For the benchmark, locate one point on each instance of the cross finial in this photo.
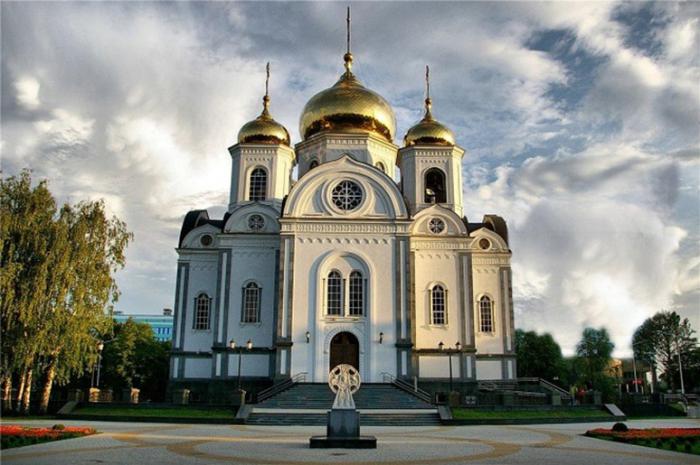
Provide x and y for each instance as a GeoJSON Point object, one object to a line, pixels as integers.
{"type": "Point", "coordinates": [348, 55]}
{"type": "Point", "coordinates": [428, 102]}
{"type": "Point", "coordinates": [266, 98]}
{"type": "Point", "coordinates": [348, 28]}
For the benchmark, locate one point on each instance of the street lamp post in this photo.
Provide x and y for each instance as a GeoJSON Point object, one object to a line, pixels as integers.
{"type": "Point", "coordinates": [450, 352]}
{"type": "Point", "coordinates": [100, 346]}
{"type": "Point", "coordinates": [233, 346]}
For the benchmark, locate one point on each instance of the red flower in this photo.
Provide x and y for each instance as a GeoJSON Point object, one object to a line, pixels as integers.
{"type": "Point", "coordinates": [650, 433]}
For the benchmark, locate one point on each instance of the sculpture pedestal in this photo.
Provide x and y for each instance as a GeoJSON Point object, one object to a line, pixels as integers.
{"type": "Point", "coordinates": [343, 431]}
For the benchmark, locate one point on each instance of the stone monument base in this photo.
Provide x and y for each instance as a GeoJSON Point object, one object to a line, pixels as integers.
{"type": "Point", "coordinates": [343, 432]}
{"type": "Point", "coordinates": [360, 442]}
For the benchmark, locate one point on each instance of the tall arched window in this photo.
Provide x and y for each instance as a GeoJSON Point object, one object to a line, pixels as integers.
{"type": "Point", "coordinates": [258, 184]}
{"type": "Point", "coordinates": [435, 187]}
{"type": "Point", "coordinates": [356, 296]}
{"type": "Point", "coordinates": [334, 302]}
{"type": "Point", "coordinates": [202, 307]}
{"type": "Point", "coordinates": [486, 314]}
{"type": "Point", "coordinates": [438, 305]}
{"type": "Point", "coordinates": [313, 164]}
{"type": "Point", "coordinates": [251, 303]}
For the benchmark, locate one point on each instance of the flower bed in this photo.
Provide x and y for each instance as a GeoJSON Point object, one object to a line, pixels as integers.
{"type": "Point", "coordinates": [17, 436]}
{"type": "Point", "coordinates": [676, 439]}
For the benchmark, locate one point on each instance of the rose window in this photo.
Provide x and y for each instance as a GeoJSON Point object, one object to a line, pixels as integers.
{"type": "Point", "coordinates": [347, 195]}
{"type": "Point", "coordinates": [256, 222]}
{"type": "Point", "coordinates": [436, 225]}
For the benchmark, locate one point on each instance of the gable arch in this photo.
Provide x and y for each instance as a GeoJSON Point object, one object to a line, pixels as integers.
{"type": "Point", "coordinates": [497, 242]}
{"type": "Point", "coordinates": [310, 197]}
{"type": "Point", "coordinates": [453, 223]}
{"type": "Point", "coordinates": [237, 222]}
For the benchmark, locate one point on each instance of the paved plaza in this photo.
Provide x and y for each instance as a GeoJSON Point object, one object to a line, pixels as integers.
{"type": "Point", "coordinates": [154, 444]}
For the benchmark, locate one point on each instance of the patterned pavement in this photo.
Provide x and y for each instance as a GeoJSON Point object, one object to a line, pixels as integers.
{"type": "Point", "coordinates": [155, 444]}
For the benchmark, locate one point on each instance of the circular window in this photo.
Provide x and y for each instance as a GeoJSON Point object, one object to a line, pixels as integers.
{"type": "Point", "coordinates": [436, 225]}
{"type": "Point", "coordinates": [347, 195]}
{"type": "Point", "coordinates": [206, 240]}
{"type": "Point", "coordinates": [256, 222]}
{"type": "Point", "coordinates": [484, 244]}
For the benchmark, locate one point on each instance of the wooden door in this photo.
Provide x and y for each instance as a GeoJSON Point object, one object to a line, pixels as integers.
{"type": "Point", "coordinates": [345, 349]}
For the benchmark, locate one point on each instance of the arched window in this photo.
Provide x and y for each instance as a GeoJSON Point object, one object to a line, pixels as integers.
{"type": "Point", "coordinates": [486, 314]}
{"type": "Point", "coordinates": [437, 305]}
{"type": "Point", "coordinates": [435, 187]}
{"type": "Point", "coordinates": [313, 164]}
{"type": "Point", "coordinates": [258, 184]}
{"type": "Point", "coordinates": [381, 166]}
{"type": "Point", "coordinates": [334, 302]}
{"type": "Point", "coordinates": [202, 307]}
{"type": "Point", "coordinates": [356, 295]}
{"type": "Point", "coordinates": [251, 303]}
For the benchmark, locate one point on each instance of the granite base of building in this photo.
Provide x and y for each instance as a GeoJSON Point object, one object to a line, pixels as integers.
{"type": "Point", "coordinates": [343, 432]}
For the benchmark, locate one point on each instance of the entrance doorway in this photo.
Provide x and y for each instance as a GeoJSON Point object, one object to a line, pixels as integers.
{"type": "Point", "coordinates": [345, 349]}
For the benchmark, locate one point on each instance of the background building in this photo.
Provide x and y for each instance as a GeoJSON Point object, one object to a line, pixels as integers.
{"type": "Point", "coordinates": [162, 325]}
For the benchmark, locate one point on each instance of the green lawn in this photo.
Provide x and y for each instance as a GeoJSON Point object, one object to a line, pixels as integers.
{"type": "Point", "coordinates": [480, 414]}
{"type": "Point", "coordinates": [158, 412]}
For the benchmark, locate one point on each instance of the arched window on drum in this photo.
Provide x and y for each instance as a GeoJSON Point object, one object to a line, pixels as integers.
{"type": "Point", "coordinates": [258, 185]}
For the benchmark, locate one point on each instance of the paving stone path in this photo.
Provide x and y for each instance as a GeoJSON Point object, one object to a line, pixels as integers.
{"type": "Point", "coordinates": [155, 444]}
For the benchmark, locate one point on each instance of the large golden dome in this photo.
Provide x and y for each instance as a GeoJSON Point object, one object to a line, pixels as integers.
{"type": "Point", "coordinates": [348, 106]}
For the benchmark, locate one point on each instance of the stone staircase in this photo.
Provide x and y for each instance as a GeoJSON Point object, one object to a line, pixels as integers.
{"type": "Point", "coordinates": [379, 405]}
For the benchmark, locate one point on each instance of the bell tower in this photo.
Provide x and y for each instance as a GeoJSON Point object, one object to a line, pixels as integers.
{"type": "Point", "coordinates": [262, 160]}
{"type": "Point", "coordinates": [431, 163]}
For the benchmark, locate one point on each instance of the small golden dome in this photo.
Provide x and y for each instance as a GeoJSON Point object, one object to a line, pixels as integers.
{"type": "Point", "coordinates": [428, 131]}
{"type": "Point", "coordinates": [264, 129]}
{"type": "Point", "coordinates": [348, 106]}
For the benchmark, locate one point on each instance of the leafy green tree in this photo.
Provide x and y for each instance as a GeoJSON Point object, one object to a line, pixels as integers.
{"type": "Point", "coordinates": [60, 287]}
{"type": "Point", "coordinates": [135, 358]}
{"type": "Point", "coordinates": [594, 352]}
{"type": "Point", "coordinates": [538, 355]}
{"type": "Point", "coordinates": [659, 341]}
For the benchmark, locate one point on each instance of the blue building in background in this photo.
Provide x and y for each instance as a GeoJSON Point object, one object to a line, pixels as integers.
{"type": "Point", "coordinates": [162, 325]}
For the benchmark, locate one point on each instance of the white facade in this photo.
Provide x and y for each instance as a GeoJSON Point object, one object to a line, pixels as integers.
{"type": "Point", "coordinates": [345, 264]}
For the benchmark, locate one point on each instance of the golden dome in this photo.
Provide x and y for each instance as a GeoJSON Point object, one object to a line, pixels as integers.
{"type": "Point", "coordinates": [348, 106]}
{"type": "Point", "coordinates": [264, 129]}
{"type": "Point", "coordinates": [428, 131]}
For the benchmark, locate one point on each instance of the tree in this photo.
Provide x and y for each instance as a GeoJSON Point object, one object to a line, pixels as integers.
{"type": "Point", "coordinates": [135, 358]}
{"type": "Point", "coordinates": [59, 289]}
{"type": "Point", "coordinates": [594, 351]}
{"type": "Point", "coordinates": [660, 340]}
{"type": "Point", "coordinates": [538, 355]}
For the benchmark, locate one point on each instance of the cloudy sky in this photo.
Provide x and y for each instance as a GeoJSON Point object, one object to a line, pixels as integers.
{"type": "Point", "coordinates": [580, 120]}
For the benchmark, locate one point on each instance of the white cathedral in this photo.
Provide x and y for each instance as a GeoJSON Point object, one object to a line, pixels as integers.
{"type": "Point", "coordinates": [343, 264]}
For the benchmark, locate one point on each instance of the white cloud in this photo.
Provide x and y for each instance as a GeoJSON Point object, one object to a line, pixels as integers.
{"type": "Point", "coordinates": [27, 89]}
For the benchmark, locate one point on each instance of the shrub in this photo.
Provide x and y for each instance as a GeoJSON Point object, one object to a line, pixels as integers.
{"type": "Point", "coordinates": [619, 427]}
{"type": "Point", "coordinates": [58, 427]}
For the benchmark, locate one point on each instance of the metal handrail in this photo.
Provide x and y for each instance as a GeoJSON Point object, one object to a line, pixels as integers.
{"type": "Point", "coordinates": [551, 386]}
{"type": "Point", "coordinates": [279, 387]}
{"type": "Point", "coordinates": [408, 387]}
